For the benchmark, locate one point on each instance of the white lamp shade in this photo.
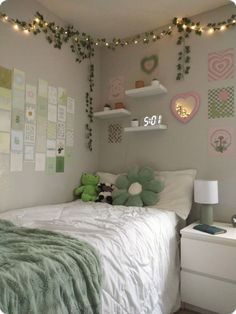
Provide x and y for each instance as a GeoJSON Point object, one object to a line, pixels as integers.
{"type": "Point", "coordinates": [206, 192]}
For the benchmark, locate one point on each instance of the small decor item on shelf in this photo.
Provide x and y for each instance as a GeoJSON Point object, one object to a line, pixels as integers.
{"type": "Point", "coordinates": [107, 107]}
{"type": "Point", "coordinates": [155, 82]}
{"type": "Point", "coordinates": [139, 84]}
{"type": "Point", "coordinates": [134, 122]}
{"type": "Point", "coordinates": [152, 120]}
{"type": "Point", "coordinates": [119, 105]}
{"type": "Point", "coordinates": [233, 220]}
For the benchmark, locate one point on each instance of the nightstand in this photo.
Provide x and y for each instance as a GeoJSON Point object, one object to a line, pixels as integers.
{"type": "Point", "coordinates": [208, 269]}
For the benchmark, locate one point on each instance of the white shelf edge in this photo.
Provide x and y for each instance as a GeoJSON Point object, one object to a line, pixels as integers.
{"type": "Point", "coordinates": [146, 91]}
{"type": "Point", "coordinates": [115, 113]}
{"type": "Point", "coordinates": [146, 128]}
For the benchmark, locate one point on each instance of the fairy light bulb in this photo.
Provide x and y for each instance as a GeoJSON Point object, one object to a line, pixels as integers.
{"type": "Point", "coordinates": [184, 26]}
{"type": "Point", "coordinates": [37, 20]}
{"type": "Point", "coordinates": [154, 36]}
{"type": "Point", "coordinates": [193, 27]}
{"type": "Point", "coordinates": [135, 42]}
{"type": "Point", "coordinates": [16, 27]}
{"type": "Point", "coordinates": [223, 27]}
{"type": "Point", "coordinates": [211, 31]}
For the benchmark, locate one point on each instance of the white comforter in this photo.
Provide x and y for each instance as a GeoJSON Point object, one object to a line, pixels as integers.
{"type": "Point", "coordinates": [138, 247]}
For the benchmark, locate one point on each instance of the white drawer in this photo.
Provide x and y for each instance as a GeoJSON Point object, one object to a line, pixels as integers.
{"type": "Point", "coordinates": [209, 258]}
{"type": "Point", "coordinates": [207, 293]}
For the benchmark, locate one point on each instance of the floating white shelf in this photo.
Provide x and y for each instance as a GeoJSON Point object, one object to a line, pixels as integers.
{"type": "Point", "coordinates": [107, 114]}
{"type": "Point", "coordinates": [146, 128]}
{"type": "Point", "coordinates": [151, 90]}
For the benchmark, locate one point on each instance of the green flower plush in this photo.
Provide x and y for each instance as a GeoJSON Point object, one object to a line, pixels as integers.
{"type": "Point", "coordinates": [138, 188]}
{"type": "Point", "coordinates": [88, 190]}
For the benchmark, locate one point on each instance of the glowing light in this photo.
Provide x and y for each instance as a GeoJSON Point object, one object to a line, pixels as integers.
{"type": "Point", "coordinates": [16, 27]}
{"type": "Point", "coordinates": [223, 27]}
{"type": "Point", "coordinates": [37, 20]}
{"type": "Point", "coordinates": [154, 36]}
{"type": "Point", "coordinates": [26, 31]}
{"type": "Point", "coordinates": [135, 42]}
{"type": "Point", "coordinates": [211, 31]}
{"type": "Point", "coordinates": [107, 44]}
{"type": "Point", "coordinates": [184, 26]}
{"type": "Point", "coordinates": [234, 1]}
{"type": "Point", "coordinates": [6, 18]}
{"type": "Point", "coordinates": [96, 44]}
{"type": "Point", "coordinates": [193, 27]}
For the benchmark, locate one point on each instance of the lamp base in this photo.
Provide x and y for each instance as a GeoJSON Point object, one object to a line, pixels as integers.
{"type": "Point", "coordinates": [206, 214]}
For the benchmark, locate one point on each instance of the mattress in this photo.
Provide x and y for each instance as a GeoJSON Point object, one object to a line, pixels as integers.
{"type": "Point", "coordinates": [138, 249]}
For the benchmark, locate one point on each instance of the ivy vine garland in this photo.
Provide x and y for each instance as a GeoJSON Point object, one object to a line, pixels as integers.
{"type": "Point", "coordinates": [83, 45]}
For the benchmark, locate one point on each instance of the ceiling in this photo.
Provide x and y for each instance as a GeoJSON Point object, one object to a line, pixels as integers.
{"type": "Point", "coordinates": [124, 18]}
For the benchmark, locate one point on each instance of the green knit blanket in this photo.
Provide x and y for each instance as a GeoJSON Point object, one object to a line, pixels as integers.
{"type": "Point", "coordinates": [43, 272]}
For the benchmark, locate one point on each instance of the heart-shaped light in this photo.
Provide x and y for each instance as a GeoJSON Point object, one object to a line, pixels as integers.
{"type": "Point", "coordinates": [149, 64]}
{"type": "Point", "coordinates": [185, 106]}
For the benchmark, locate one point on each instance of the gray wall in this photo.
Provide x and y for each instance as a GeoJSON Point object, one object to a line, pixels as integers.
{"type": "Point", "coordinates": [182, 145]}
{"type": "Point", "coordinates": [38, 59]}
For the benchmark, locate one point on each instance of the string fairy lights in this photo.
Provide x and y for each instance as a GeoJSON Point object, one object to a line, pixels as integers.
{"type": "Point", "coordinates": [83, 45]}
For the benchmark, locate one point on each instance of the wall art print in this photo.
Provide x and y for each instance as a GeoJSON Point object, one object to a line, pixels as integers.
{"type": "Point", "coordinates": [220, 141]}
{"type": "Point", "coordinates": [149, 64]}
{"type": "Point", "coordinates": [116, 88]}
{"type": "Point", "coordinates": [221, 65]}
{"type": "Point", "coordinates": [114, 133]}
{"type": "Point", "coordinates": [221, 103]}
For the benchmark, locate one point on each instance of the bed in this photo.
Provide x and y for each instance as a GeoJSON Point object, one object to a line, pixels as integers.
{"type": "Point", "coordinates": [138, 247]}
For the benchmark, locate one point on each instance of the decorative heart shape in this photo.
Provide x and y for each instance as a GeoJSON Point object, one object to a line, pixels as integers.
{"type": "Point", "coordinates": [149, 64]}
{"type": "Point", "coordinates": [185, 106]}
{"type": "Point", "coordinates": [221, 65]}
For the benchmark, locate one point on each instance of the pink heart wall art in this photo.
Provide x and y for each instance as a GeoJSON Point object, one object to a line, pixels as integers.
{"type": "Point", "coordinates": [221, 65]}
{"type": "Point", "coordinates": [185, 106]}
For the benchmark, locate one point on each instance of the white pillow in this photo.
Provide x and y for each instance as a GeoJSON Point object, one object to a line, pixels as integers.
{"type": "Point", "coordinates": [177, 195]}
{"type": "Point", "coordinates": [106, 177]}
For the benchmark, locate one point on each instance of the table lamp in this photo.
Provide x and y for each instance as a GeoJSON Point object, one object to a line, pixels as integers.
{"type": "Point", "coordinates": [206, 194]}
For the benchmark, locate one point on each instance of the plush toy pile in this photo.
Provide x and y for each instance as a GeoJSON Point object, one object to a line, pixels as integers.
{"type": "Point", "coordinates": [138, 188]}
{"type": "Point", "coordinates": [88, 190]}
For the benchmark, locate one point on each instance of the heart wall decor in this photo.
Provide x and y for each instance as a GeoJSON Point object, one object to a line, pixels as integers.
{"type": "Point", "coordinates": [221, 65]}
{"type": "Point", "coordinates": [149, 64]}
{"type": "Point", "coordinates": [185, 106]}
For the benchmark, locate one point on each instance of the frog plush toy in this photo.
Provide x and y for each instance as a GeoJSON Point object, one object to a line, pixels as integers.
{"type": "Point", "coordinates": [87, 191]}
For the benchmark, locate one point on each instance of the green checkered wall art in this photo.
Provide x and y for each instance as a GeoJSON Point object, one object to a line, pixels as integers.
{"type": "Point", "coordinates": [221, 103]}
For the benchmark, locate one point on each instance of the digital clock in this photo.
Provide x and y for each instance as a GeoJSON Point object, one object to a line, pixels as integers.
{"type": "Point", "coordinates": [151, 121]}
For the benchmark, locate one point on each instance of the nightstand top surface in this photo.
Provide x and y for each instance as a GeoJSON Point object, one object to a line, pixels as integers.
{"type": "Point", "coordinates": [228, 237]}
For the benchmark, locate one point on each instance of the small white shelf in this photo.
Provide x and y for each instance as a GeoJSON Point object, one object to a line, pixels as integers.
{"type": "Point", "coordinates": [115, 113]}
{"type": "Point", "coordinates": [151, 90]}
{"type": "Point", "coordinates": [146, 128]}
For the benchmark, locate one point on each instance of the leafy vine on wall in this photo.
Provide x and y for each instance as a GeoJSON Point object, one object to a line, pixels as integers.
{"type": "Point", "coordinates": [83, 45]}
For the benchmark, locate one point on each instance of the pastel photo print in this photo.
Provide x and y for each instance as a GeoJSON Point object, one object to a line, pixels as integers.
{"type": "Point", "coordinates": [116, 88]}
{"type": "Point", "coordinates": [221, 103]}
{"type": "Point", "coordinates": [221, 141]}
{"type": "Point", "coordinates": [221, 65]}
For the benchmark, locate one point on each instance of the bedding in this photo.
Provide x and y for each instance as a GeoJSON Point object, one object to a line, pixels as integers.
{"type": "Point", "coordinates": [177, 194]}
{"type": "Point", "coordinates": [138, 249]}
{"type": "Point", "coordinates": [30, 261]}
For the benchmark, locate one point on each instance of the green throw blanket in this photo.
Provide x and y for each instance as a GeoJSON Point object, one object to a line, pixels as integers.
{"type": "Point", "coordinates": [43, 272]}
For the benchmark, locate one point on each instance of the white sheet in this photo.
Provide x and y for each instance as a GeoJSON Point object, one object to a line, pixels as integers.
{"type": "Point", "coordinates": [138, 248]}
